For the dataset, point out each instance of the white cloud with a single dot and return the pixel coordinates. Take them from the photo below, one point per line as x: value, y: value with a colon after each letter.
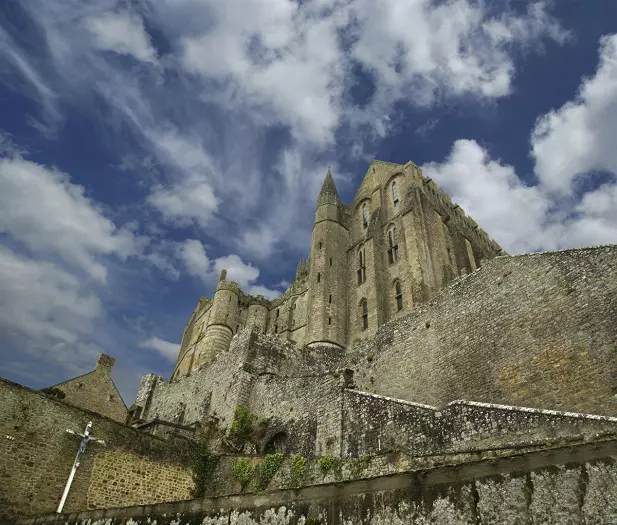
x: 189, y: 201
x: 237, y: 270
x: 579, y: 137
x: 42, y: 304
x: 522, y: 218
x: 165, y: 348
x: 492, y: 194
x: 42, y: 209
x: 196, y: 262
x: 122, y: 33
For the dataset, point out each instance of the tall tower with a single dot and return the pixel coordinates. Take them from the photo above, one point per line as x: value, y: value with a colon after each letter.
x: 327, y: 301
x: 221, y: 322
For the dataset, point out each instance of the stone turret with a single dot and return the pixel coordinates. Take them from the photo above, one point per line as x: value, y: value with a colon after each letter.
x: 222, y: 321
x: 327, y: 299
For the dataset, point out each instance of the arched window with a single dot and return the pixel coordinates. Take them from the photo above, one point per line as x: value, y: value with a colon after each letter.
x: 276, y: 444
x: 361, y: 266
x: 398, y: 293
x: 364, y: 215
x: 364, y: 313
x: 392, y: 245
x: 395, y: 193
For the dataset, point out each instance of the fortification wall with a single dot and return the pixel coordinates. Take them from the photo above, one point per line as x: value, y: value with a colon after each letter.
x: 36, y: 456
x: 571, y: 485
x: 534, y: 330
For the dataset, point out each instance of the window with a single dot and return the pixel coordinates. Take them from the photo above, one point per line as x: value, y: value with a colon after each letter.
x: 276, y: 329
x: 364, y: 313
x: 318, y: 277
x: 361, y: 266
x: 277, y: 313
x: 392, y: 245
x: 330, y: 299
x: 329, y: 320
x: 330, y: 261
x: 395, y: 193
x: 364, y: 215
x: 399, y: 296
x: 320, y: 245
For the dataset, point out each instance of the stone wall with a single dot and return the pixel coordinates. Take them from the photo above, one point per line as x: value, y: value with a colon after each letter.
x: 373, y: 424
x: 534, y: 330
x: 94, y: 391
x: 572, y: 485
x: 37, y: 453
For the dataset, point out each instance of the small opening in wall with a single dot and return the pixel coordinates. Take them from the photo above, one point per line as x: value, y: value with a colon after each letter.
x: 320, y: 245
x: 237, y: 328
x: 277, y: 313
x: 276, y: 329
x: 330, y: 299
x: 329, y: 320
x: 330, y: 261
x: 318, y: 277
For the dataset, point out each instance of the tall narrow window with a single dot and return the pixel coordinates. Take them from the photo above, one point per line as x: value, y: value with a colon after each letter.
x: 329, y: 320
x: 399, y: 296
x: 330, y: 261
x: 364, y: 312
x: 330, y: 299
x: 395, y: 193
x: 276, y: 329
x: 392, y: 245
x: 320, y: 245
x: 277, y: 313
x: 364, y: 215
x: 361, y: 266
x: 318, y: 277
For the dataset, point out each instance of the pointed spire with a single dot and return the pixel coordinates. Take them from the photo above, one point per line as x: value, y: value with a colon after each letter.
x: 328, y: 184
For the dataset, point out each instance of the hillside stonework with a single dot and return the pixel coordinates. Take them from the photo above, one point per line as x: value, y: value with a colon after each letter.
x: 412, y: 373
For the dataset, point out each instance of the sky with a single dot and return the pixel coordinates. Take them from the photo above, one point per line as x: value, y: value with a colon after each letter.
x: 146, y: 145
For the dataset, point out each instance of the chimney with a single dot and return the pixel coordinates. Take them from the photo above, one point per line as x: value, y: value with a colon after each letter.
x: 105, y: 363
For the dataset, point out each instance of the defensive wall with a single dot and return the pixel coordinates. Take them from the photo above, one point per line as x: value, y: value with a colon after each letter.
x: 535, y: 330
x: 36, y: 456
x: 569, y: 485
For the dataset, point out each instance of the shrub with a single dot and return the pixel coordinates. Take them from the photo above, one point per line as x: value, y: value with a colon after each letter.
x: 270, y: 466
x: 332, y: 464
x: 298, y: 464
x: 243, y: 470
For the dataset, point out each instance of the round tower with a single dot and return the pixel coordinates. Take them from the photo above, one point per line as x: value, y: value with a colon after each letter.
x: 221, y: 322
x: 327, y: 300
x: 257, y: 314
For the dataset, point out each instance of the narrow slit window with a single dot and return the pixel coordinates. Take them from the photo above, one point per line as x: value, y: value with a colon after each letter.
x: 399, y: 296
x: 276, y: 329
x: 364, y: 215
x: 364, y: 310
x: 361, y: 266
x: 318, y: 277
x: 392, y: 246
x: 395, y: 193
x: 330, y: 261
x: 330, y: 299
x: 329, y: 320
x: 277, y: 313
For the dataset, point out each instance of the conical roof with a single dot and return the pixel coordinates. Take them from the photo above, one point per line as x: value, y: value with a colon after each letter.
x: 328, y: 184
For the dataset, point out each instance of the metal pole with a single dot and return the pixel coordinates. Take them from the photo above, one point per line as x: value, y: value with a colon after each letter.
x: 80, y: 451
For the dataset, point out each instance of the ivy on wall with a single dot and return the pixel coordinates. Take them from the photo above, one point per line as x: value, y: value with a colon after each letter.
x: 270, y: 466
x: 243, y: 470
x: 203, y: 465
x: 298, y: 465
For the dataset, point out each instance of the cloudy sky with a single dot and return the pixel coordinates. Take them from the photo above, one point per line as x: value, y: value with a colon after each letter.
x: 145, y: 145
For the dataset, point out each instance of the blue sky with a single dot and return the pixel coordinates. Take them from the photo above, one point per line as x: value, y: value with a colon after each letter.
x: 145, y: 145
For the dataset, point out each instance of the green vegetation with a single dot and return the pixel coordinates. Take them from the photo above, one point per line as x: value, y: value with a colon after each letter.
x: 270, y: 466
x: 298, y: 464
x: 358, y: 466
x: 242, y: 427
x: 203, y: 465
x: 243, y: 470
x: 332, y: 464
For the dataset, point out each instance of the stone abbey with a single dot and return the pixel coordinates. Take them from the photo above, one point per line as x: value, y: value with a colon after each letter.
x: 413, y: 373
x: 373, y: 260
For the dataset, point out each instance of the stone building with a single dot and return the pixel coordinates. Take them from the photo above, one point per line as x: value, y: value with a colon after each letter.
x: 405, y: 298
x: 393, y: 247
x: 95, y: 391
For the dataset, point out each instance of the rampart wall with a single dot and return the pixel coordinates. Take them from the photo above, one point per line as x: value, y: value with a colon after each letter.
x: 535, y: 330
x: 36, y: 456
x: 573, y: 485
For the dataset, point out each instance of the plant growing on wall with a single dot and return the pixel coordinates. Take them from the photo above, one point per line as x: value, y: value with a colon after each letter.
x: 332, y: 464
x: 243, y: 470
x: 203, y: 465
x: 270, y: 466
x: 358, y: 466
x: 298, y: 464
